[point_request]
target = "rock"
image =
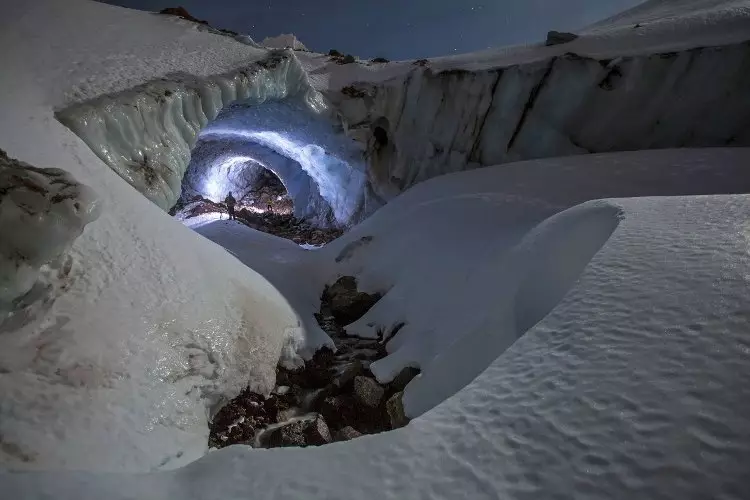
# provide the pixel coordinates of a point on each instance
(286, 436)
(351, 371)
(367, 392)
(346, 303)
(395, 408)
(317, 433)
(338, 411)
(405, 376)
(181, 12)
(346, 434)
(559, 38)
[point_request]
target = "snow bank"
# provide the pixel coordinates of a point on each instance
(466, 225)
(150, 325)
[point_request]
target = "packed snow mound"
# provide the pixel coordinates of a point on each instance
(120, 365)
(288, 41)
(42, 210)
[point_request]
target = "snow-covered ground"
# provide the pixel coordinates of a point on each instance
(608, 338)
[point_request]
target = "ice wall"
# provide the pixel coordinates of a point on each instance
(145, 133)
(42, 211)
(219, 166)
(429, 123)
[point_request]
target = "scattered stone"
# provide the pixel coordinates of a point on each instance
(346, 302)
(335, 53)
(559, 38)
(421, 62)
(403, 378)
(348, 374)
(317, 433)
(348, 59)
(346, 434)
(395, 408)
(288, 435)
(380, 60)
(339, 411)
(353, 92)
(368, 392)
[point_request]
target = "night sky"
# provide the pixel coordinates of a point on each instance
(396, 29)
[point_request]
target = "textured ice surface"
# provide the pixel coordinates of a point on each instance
(42, 210)
(322, 169)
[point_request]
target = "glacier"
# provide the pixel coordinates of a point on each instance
(580, 321)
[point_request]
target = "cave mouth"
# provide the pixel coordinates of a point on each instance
(294, 173)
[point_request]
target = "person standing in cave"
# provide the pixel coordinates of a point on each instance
(230, 202)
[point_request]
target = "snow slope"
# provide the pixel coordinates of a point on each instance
(634, 384)
(145, 336)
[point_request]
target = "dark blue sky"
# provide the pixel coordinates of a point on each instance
(396, 29)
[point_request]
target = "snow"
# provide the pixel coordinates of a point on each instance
(283, 42)
(636, 380)
(143, 337)
(574, 340)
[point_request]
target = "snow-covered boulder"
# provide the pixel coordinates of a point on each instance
(42, 210)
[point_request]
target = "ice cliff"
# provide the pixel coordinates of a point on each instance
(430, 122)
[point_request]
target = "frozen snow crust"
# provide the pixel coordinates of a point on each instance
(625, 374)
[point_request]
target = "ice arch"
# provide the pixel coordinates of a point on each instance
(146, 134)
(322, 170)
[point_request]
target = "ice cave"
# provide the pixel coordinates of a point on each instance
(516, 273)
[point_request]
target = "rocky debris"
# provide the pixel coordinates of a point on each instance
(340, 58)
(559, 38)
(335, 394)
(312, 432)
(278, 221)
(367, 392)
(403, 378)
(353, 92)
(421, 62)
(347, 304)
(183, 13)
(380, 60)
(346, 434)
(395, 408)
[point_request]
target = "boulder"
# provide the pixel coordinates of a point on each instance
(349, 373)
(303, 433)
(559, 38)
(346, 434)
(338, 411)
(395, 408)
(367, 392)
(317, 433)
